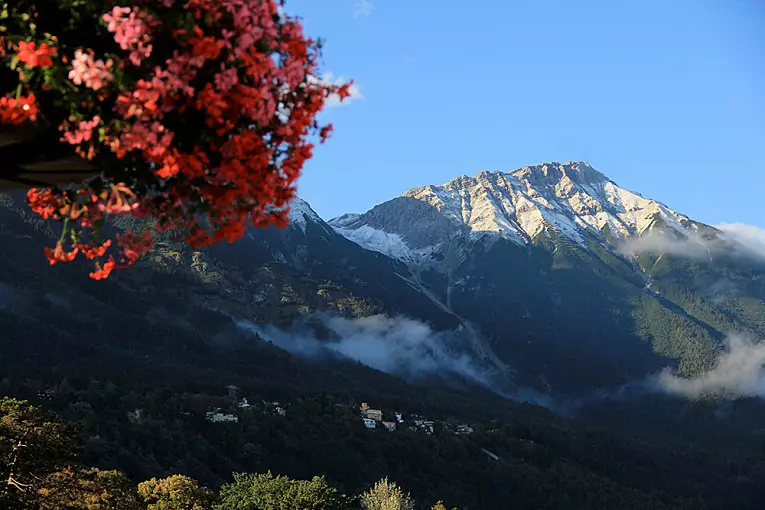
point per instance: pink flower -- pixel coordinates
(115, 18)
(153, 139)
(226, 80)
(93, 73)
(83, 132)
(131, 32)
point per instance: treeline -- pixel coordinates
(40, 468)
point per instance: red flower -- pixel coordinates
(36, 57)
(103, 270)
(325, 132)
(59, 255)
(93, 252)
(244, 71)
(13, 111)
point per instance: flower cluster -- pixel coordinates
(199, 114)
(16, 111)
(94, 74)
(131, 31)
(34, 56)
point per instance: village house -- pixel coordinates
(367, 412)
(399, 417)
(243, 404)
(369, 423)
(463, 430)
(390, 425)
(218, 416)
(425, 425)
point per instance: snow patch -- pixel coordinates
(300, 213)
(377, 240)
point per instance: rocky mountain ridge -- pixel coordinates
(571, 199)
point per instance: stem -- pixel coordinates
(64, 231)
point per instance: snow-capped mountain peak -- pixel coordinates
(301, 213)
(572, 199)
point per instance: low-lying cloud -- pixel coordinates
(398, 346)
(738, 373)
(693, 246)
(751, 238)
(729, 240)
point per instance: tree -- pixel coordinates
(197, 114)
(87, 489)
(33, 445)
(269, 492)
(440, 506)
(177, 492)
(386, 495)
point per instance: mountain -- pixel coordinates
(570, 199)
(563, 281)
(571, 280)
(565, 306)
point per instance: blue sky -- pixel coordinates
(667, 98)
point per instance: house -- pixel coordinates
(218, 416)
(463, 430)
(390, 425)
(425, 425)
(369, 423)
(399, 417)
(367, 412)
(243, 404)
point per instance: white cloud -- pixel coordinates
(399, 346)
(739, 372)
(751, 237)
(364, 8)
(334, 100)
(693, 246)
(730, 240)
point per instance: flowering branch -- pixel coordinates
(198, 114)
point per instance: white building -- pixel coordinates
(425, 425)
(369, 423)
(218, 416)
(463, 430)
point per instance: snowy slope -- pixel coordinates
(301, 213)
(571, 198)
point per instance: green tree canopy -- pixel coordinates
(269, 492)
(33, 445)
(386, 495)
(176, 492)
